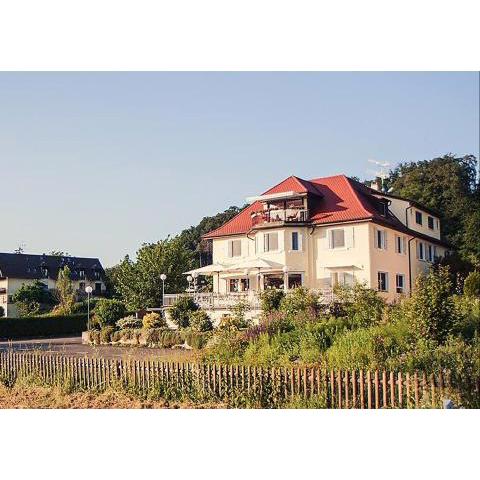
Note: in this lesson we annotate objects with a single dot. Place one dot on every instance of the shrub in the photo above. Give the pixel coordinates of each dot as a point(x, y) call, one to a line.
point(471, 287)
point(154, 320)
point(369, 348)
point(162, 337)
point(200, 321)
point(300, 300)
point(129, 322)
point(106, 334)
point(32, 299)
point(467, 318)
point(239, 312)
point(181, 310)
point(2, 312)
point(431, 310)
point(361, 305)
point(226, 346)
point(42, 326)
point(270, 299)
point(232, 323)
point(196, 339)
point(108, 312)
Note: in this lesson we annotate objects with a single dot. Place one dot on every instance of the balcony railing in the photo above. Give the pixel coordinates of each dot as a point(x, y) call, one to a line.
point(210, 301)
point(289, 215)
point(216, 300)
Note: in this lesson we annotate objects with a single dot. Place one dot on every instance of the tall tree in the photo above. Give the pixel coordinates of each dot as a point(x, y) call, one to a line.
point(64, 292)
point(137, 282)
point(449, 186)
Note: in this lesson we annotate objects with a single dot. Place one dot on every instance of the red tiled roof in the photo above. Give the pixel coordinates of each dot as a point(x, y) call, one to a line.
point(332, 200)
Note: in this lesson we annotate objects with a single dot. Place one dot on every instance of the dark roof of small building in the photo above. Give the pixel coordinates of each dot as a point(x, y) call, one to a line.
point(26, 266)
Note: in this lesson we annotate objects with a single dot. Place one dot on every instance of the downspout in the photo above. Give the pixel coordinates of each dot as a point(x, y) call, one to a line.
point(409, 253)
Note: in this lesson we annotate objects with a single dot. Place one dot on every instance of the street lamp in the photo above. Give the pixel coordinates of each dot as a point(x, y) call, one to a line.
point(88, 291)
point(285, 277)
point(163, 277)
point(189, 280)
point(195, 276)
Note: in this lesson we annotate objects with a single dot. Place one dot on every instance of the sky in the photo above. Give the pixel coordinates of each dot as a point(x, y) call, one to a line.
point(95, 164)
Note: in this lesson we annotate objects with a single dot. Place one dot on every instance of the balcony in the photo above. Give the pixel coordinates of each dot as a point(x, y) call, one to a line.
point(280, 216)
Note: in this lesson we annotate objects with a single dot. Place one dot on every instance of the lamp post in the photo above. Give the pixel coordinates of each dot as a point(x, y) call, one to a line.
point(195, 276)
point(189, 280)
point(163, 277)
point(88, 291)
point(285, 277)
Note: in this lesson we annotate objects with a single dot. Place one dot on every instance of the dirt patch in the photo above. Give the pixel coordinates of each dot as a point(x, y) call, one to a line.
point(21, 396)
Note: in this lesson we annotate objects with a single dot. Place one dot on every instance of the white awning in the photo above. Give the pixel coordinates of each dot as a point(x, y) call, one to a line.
point(344, 267)
point(208, 269)
point(254, 264)
point(274, 196)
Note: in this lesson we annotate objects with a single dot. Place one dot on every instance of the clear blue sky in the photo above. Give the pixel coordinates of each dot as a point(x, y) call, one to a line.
point(97, 163)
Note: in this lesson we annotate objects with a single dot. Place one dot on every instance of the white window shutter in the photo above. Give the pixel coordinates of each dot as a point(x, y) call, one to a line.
point(230, 248)
point(300, 241)
point(330, 239)
point(404, 245)
point(385, 236)
point(349, 239)
point(281, 241)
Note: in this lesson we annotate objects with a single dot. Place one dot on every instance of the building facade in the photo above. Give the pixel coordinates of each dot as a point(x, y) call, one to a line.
point(19, 269)
point(320, 233)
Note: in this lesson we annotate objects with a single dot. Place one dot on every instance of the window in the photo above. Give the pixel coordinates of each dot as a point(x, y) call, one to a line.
point(383, 209)
point(337, 238)
point(294, 280)
point(45, 272)
point(238, 285)
point(381, 239)
point(296, 245)
point(431, 223)
point(421, 251)
point(270, 242)
point(234, 248)
point(96, 275)
point(273, 281)
point(341, 278)
point(419, 217)
point(430, 256)
point(98, 288)
point(400, 244)
point(382, 281)
point(400, 283)
point(81, 273)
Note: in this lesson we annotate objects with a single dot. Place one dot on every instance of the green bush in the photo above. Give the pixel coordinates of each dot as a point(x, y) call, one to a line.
point(239, 314)
point(162, 337)
point(361, 305)
point(270, 299)
point(32, 299)
point(471, 287)
point(108, 312)
point(181, 311)
point(200, 321)
point(467, 318)
point(2, 312)
point(12, 328)
point(154, 320)
point(431, 309)
point(106, 334)
point(369, 348)
point(196, 339)
point(129, 322)
point(300, 300)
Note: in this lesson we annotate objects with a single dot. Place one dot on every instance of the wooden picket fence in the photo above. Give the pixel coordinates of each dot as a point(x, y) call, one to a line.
point(265, 386)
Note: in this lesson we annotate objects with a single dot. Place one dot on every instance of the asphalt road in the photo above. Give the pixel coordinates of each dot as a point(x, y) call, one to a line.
point(72, 346)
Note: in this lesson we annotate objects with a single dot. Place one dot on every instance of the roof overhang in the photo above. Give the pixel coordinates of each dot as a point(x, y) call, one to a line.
point(275, 196)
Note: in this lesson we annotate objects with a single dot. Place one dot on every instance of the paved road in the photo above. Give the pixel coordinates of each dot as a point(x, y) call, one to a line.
point(72, 346)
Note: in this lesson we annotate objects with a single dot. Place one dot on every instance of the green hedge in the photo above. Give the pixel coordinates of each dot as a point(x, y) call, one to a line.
point(11, 328)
